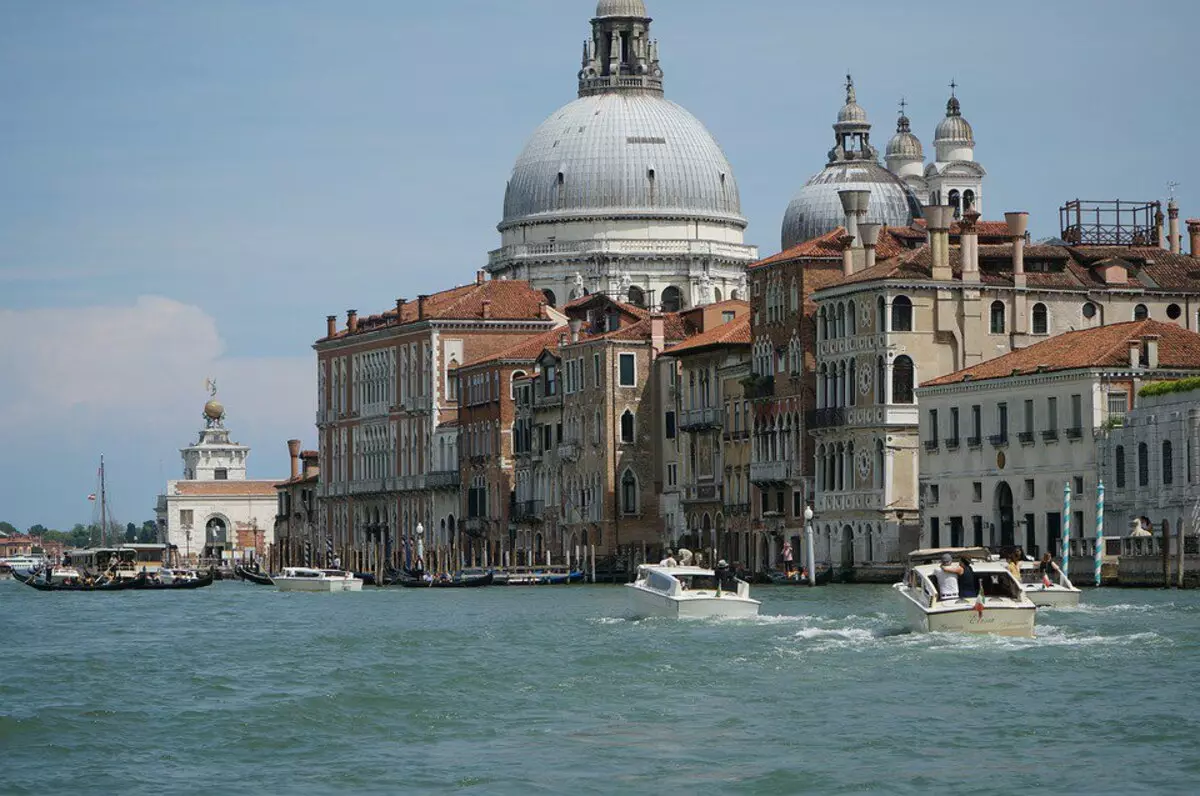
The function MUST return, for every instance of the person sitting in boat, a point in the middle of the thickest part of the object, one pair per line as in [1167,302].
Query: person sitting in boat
[1050,571]
[1014,564]
[724,576]
[668,559]
[947,577]
[968,583]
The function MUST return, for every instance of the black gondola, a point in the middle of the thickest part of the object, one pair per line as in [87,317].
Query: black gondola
[198,583]
[462,583]
[368,578]
[17,576]
[261,578]
[117,585]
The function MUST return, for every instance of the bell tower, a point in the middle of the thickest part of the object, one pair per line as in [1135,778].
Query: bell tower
[620,56]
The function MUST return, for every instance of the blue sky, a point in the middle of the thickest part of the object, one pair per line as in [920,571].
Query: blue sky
[187,189]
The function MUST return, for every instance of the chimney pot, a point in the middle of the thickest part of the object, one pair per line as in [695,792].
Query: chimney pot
[1193,225]
[487,309]
[1135,353]
[1018,223]
[1173,236]
[1151,350]
[352,321]
[480,276]
[421,307]
[400,308]
[847,244]
[330,325]
[854,205]
[294,454]
[657,334]
[575,324]
[562,340]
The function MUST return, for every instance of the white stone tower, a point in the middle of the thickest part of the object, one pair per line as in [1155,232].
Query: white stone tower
[954,178]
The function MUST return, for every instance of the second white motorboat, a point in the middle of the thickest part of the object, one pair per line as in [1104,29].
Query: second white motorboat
[1044,592]
[316,580]
[687,592]
[1001,607]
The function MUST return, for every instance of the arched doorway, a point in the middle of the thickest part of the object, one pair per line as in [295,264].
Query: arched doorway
[706,537]
[637,296]
[672,299]
[847,559]
[1004,514]
[216,538]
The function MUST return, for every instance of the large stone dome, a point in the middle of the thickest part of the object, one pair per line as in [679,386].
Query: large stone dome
[817,209]
[621,154]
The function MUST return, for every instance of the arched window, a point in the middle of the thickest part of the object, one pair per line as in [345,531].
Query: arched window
[880,381]
[636,296]
[672,299]
[841,320]
[881,316]
[879,475]
[997,317]
[1168,471]
[902,380]
[1141,312]
[954,201]
[1143,464]
[902,314]
[852,381]
[1119,466]
[852,318]
[629,493]
[1041,319]
[968,200]
[822,332]
[627,427]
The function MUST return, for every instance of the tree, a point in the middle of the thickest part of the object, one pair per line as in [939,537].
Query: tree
[149,532]
[8,529]
[37,530]
[131,532]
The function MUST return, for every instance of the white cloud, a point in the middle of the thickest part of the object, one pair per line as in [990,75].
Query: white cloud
[141,366]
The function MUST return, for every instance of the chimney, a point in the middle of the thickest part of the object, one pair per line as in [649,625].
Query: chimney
[310,466]
[1151,350]
[294,454]
[1173,226]
[657,334]
[479,277]
[1158,226]
[1135,353]
[400,309]
[562,340]
[1193,225]
[847,244]
[352,321]
[421,307]
[854,205]
[487,309]
[938,217]
[575,324]
[330,325]
[1018,224]
[969,246]
[869,234]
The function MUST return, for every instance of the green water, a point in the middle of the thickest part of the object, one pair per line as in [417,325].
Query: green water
[242,689]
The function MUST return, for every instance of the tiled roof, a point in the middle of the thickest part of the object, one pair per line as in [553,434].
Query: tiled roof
[735,332]
[225,488]
[984,229]
[1101,347]
[510,300]
[674,329]
[600,298]
[527,350]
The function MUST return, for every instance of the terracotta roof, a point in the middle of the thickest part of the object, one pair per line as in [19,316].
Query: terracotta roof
[674,329]
[984,229]
[601,298]
[510,300]
[827,246]
[528,350]
[225,488]
[1101,347]
[735,332]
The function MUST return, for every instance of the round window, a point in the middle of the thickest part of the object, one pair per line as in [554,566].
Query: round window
[1173,312]
[1089,310]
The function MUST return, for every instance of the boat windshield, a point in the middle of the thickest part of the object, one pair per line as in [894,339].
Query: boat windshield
[698,582]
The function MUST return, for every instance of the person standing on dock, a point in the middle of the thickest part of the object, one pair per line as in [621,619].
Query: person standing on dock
[787,557]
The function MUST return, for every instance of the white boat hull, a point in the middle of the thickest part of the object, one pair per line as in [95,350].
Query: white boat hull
[1001,617]
[1052,597]
[694,605]
[315,585]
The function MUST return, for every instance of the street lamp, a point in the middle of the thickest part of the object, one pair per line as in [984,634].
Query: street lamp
[421,544]
[187,532]
[809,546]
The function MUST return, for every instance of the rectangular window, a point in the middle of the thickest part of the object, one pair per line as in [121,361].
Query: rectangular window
[220,474]
[977,491]
[976,423]
[935,532]
[1118,403]
[1078,486]
[954,424]
[727,316]
[779,502]
[1051,414]
[628,369]
[672,474]
[1077,412]
[1002,421]
[977,530]
[935,494]
[933,426]
[595,370]
[797,508]
[1029,416]
[764,501]
[670,425]
[185,517]
[1029,489]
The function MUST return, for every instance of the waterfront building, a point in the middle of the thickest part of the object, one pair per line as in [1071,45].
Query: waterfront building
[1001,439]
[622,191]
[215,512]
[941,307]
[299,540]
[387,392]
[711,419]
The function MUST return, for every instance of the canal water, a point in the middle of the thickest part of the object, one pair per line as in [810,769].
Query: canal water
[242,689]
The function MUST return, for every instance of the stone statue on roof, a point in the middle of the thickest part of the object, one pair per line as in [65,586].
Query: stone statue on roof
[706,288]
[626,283]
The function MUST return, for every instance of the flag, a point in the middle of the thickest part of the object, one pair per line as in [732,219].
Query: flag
[92,497]
[979,602]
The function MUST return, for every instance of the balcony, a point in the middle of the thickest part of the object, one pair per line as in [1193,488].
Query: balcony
[700,419]
[416,403]
[951,443]
[773,472]
[825,418]
[974,442]
[1050,435]
[931,446]
[1075,433]
[528,510]
[443,479]
[999,440]
[701,493]
[1026,437]
[540,400]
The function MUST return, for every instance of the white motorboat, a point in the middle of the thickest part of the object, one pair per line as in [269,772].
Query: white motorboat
[24,565]
[322,580]
[687,592]
[1044,592]
[1001,607]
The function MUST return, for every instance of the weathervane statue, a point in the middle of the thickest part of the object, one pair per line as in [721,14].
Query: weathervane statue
[214,411]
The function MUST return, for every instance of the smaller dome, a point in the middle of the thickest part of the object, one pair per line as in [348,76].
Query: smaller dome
[954,127]
[904,144]
[621,8]
[214,410]
[852,112]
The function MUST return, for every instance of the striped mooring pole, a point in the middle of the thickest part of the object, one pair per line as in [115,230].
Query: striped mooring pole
[1099,528]
[1066,537]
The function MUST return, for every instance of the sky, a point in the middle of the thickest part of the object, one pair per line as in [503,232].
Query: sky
[188,189]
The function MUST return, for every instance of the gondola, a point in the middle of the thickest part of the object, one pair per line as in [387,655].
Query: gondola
[261,578]
[118,585]
[368,578]
[17,576]
[142,583]
[463,583]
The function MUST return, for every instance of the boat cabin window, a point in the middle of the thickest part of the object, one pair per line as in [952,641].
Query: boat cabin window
[998,584]
[690,582]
